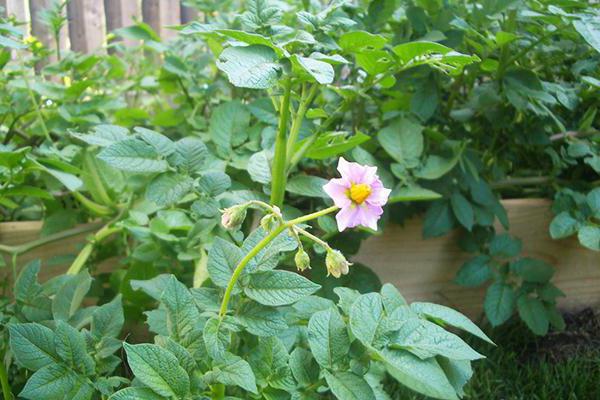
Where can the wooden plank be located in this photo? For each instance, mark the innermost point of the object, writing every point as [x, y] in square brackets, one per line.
[122, 13]
[424, 270]
[15, 8]
[56, 256]
[86, 25]
[161, 13]
[188, 14]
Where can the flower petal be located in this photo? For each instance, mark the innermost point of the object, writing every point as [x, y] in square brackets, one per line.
[347, 218]
[369, 215]
[336, 189]
[356, 173]
[379, 195]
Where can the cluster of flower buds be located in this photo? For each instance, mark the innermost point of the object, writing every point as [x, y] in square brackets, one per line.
[336, 263]
[233, 217]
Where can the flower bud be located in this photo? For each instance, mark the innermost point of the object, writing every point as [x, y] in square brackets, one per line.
[233, 217]
[302, 260]
[268, 222]
[336, 263]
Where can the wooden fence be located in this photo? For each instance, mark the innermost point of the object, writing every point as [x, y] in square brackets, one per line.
[89, 21]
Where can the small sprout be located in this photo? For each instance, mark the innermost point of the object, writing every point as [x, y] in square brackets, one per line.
[302, 260]
[233, 217]
[336, 263]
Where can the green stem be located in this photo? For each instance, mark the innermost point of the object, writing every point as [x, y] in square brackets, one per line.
[261, 245]
[298, 118]
[218, 391]
[6, 391]
[278, 173]
[25, 247]
[38, 111]
[85, 253]
[94, 207]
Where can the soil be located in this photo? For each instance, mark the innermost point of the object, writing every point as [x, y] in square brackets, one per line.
[581, 336]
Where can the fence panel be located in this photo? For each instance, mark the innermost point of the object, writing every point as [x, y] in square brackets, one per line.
[86, 25]
[121, 13]
[161, 13]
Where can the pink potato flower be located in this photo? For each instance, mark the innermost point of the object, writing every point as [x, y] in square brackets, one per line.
[359, 194]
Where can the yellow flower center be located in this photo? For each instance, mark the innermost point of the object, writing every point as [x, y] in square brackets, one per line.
[359, 192]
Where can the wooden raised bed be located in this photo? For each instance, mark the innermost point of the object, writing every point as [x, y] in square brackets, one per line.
[422, 269]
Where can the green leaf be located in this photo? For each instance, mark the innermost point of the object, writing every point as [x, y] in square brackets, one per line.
[589, 29]
[417, 53]
[162, 144]
[458, 373]
[56, 382]
[589, 236]
[315, 70]
[403, 141]
[103, 135]
[366, 314]
[216, 338]
[426, 339]
[214, 183]
[223, 257]
[169, 188]
[108, 319]
[135, 393]
[438, 220]
[304, 368]
[182, 313]
[474, 272]
[133, 155]
[234, 371]
[158, 369]
[72, 349]
[278, 288]
[532, 270]
[70, 295]
[305, 185]
[348, 386]
[27, 286]
[333, 144]
[392, 298]
[70, 181]
[358, 41]
[436, 166]
[593, 201]
[190, 154]
[260, 320]
[328, 337]
[462, 210]
[448, 316]
[259, 167]
[422, 376]
[32, 345]
[533, 313]
[253, 66]
[228, 122]
[412, 193]
[499, 303]
[563, 225]
[505, 246]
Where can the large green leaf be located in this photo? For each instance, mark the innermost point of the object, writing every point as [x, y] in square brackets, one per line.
[278, 288]
[499, 303]
[133, 155]
[253, 66]
[403, 141]
[33, 345]
[169, 188]
[328, 337]
[158, 369]
[366, 314]
[333, 144]
[349, 386]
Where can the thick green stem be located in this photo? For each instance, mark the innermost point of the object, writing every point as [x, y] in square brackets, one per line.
[85, 253]
[218, 391]
[240, 267]
[278, 173]
[261, 245]
[6, 391]
[298, 118]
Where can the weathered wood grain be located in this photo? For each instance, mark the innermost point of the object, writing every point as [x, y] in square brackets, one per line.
[424, 270]
[159, 14]
[86, 25]
[122, 13]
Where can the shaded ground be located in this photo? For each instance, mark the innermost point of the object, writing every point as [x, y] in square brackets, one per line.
[560, 366]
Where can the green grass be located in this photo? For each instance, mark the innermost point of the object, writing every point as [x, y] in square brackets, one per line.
[515, 370]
